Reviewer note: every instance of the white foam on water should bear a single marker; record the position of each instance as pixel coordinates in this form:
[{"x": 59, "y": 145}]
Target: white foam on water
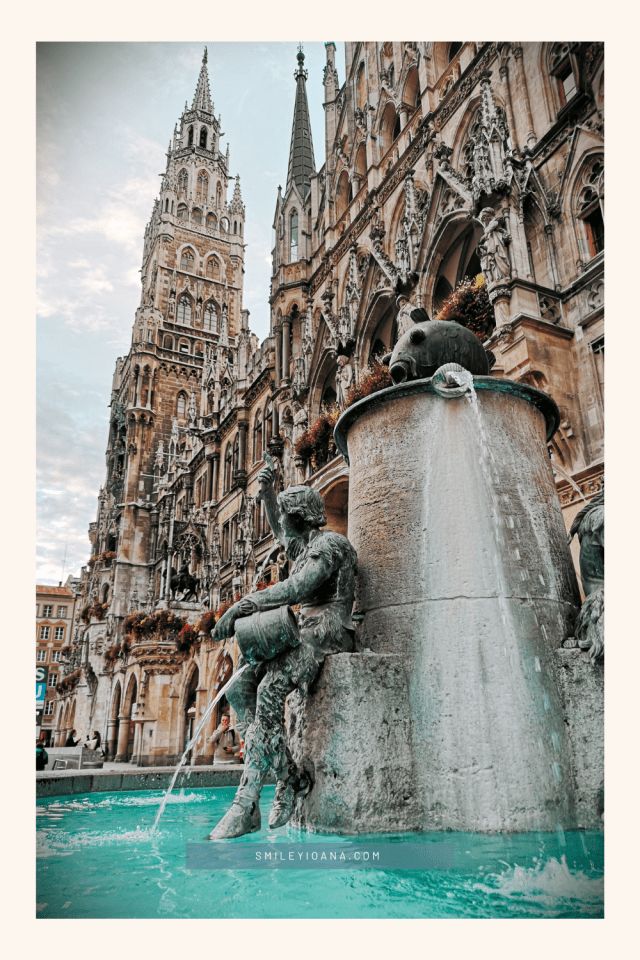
[{"x": 546, "y": 883}]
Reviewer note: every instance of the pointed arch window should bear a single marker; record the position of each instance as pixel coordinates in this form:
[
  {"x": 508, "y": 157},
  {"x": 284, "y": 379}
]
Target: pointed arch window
[
  {"x": 293, "y": 235},
  {"x": 183, "y": 183},
  {"x": 181, "y": 406},
  {"x": 563, "y": 69},
  {"x": 203, "y": 185},
  {"x": 196, "y": 216},
  {"x": 203, "y": 138},
  {"x": 210, "y": 317},
  {"x": 213, "y": 268},
  {"x": 187, "y": 260},
  {"x": 212, "y": 222},
  {"x": 257, "y": 438},
  {"x": 589, "y": 206},
  {"x": 190, "y": 137},
  {"x": 183, "y": 211},
  {"x": 184, "y": 309}
]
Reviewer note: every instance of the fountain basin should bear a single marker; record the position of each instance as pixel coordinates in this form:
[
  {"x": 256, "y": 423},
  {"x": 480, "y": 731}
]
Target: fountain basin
[
  {"x": 465, "y": 573},
  {"x": 97, "y": 857}
]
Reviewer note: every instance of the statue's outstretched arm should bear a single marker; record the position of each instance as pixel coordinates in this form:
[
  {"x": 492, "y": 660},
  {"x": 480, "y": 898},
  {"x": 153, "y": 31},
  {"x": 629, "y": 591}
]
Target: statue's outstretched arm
[{"x": 267, "y": 495}]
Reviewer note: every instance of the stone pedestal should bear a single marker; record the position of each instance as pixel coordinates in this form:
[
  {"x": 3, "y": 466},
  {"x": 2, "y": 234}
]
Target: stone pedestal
[
  {"x": 582, "y": 686},
  {"x": 353, "y": 734},
  {"x": 465, "y": 573}
]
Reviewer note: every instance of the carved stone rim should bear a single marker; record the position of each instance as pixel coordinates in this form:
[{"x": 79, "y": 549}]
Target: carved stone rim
[{"x": 542, "y": 401}]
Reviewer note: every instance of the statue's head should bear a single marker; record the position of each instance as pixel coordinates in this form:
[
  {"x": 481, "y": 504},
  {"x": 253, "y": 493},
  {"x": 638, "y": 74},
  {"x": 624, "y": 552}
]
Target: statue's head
[{"x": 301, "y": 507}]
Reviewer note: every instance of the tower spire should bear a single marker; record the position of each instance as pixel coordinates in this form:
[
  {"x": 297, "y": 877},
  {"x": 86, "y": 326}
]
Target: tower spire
[
  {"x": 301, "y": 160},
  {"x": 202, "y": 96}
]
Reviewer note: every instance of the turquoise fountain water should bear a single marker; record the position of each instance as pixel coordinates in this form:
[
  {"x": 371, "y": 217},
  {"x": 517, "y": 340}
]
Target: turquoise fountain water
[{"x": 99, "y": 856}]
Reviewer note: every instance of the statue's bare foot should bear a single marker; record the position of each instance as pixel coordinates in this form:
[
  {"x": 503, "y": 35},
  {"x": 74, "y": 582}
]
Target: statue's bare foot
[
  {"x": 237, "y": 821},
  {"x": 287, "y": 791}
]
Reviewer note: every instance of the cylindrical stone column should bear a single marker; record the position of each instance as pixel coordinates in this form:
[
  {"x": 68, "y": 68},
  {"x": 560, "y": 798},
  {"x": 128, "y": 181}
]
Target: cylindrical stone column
[
  {"x": 464, "y": 571},
  {"x": 123, "y": 740},
  {"x": 286, "y": 348}
]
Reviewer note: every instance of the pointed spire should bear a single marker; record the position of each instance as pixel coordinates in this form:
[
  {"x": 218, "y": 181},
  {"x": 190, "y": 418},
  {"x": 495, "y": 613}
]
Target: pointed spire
[
  {"x": 301, "y": 161},
  {"x": 202, "y": 96},
  {"x": 236, "y": 201}
]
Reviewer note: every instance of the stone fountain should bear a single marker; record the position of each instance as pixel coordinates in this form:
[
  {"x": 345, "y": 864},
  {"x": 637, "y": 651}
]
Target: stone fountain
[{"x": 460, "y": 709}]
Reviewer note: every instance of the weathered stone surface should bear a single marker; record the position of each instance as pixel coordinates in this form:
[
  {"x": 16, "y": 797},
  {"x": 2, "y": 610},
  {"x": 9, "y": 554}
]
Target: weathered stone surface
[
  {"x": 582, "y": 687},
  {"x": 466, "y": 574},
  {"x": 68, "y": 782},
  {"x": 353, "y": 731}
]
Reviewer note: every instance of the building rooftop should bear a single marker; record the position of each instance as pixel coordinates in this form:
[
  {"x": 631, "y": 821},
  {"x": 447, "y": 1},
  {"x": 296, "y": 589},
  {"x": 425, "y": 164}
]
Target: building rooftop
[{"x": 54, "y": 591}]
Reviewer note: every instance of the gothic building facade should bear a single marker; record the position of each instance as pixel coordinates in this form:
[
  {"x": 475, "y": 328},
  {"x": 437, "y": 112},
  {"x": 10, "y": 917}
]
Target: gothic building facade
[{"x": 444, "y": 161}]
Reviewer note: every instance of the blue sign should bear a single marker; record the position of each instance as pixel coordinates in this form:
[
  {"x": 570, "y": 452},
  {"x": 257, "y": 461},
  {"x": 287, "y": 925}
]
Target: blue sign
[{"x": 42, "y": 674}]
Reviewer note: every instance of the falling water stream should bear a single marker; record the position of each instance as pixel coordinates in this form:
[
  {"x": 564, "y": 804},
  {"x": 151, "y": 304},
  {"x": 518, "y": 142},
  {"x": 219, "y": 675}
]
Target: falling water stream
[
  {"x": 192, "y": 741},
  {"x": 558, "y": 469}
]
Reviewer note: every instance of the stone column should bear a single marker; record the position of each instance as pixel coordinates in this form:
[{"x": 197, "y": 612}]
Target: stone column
[
  {"x": 215, "y": 470},
  {"x": 209, "y": 482},
  {"x": 123, "y": 739},
  {"x": 111, "y": 739},
  {"x": 275, "y": 421},
  {"x": 278, "y": 345},
  {"x": 286, "y": 349},
  {"x": 242, "y": 445},
  {"x": 524, "y": 90}
]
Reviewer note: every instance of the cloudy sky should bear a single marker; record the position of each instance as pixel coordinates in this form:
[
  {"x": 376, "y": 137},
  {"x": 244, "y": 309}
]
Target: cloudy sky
[{"x": 105, "y": 114}]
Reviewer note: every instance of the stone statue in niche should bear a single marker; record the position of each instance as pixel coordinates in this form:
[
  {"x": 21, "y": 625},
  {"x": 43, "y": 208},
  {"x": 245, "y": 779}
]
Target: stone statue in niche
[
  {"x": 494, "y": 255},
  {"x": 344, "y": 379},
  {"x": 405, "y": 320},
  {"x": 589, "y": 526},
  {"x": 285, "y": 652}
]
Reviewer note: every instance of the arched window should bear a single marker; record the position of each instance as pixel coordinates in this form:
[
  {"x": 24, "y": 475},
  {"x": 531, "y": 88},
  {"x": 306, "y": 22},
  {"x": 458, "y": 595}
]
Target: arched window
[
  {"x": 218, "y": 195},
  {"x": 210, "y": 317},
  {"x": 293, "y": 236},
  {"x": 183, "y": 212},
  {"x": 196, "y": 216},
  {"x": 181, "y": 406},
  {"x": 389, "y": 127},
  {"x": 183, "y": 183},
  {"x": 198, "y": 349},
  {"x": 183, "y": 346},
  {"x": 167, "y": 342},
  {"x": 224, "y": 225},
  {"x": 257, "y": 438},
  {"x": 203, "y": 186},
  {"x": 267, "y": 425},
  {"x": 213, "y": 268},
  {"x": 203, "y": 138},
  {"x": 187, "y": 260},
  {"x": 212, "y": 222},
  {"x": 184, "y": 309},
  {"x": 342, "y": 194},
  {"x": 589, "y": 206},
  {"x": 190, "y": 137},
  {"x": 411, "y": 91},
  {"x": 360, "y": 165},
  {"x": 236, "y": 453},
  {"x": 563, "y": 69},
  {"x": 361, "y": 87}
]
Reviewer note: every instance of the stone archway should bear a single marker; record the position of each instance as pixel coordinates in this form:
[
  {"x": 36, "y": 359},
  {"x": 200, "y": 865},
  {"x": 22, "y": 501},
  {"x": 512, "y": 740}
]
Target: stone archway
[
  {"x": 126, "y": 729},
  {"x": 336, "y": 501},
  {"x": 189, "y": 710},
  {"x": 113, "y": 725}
]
